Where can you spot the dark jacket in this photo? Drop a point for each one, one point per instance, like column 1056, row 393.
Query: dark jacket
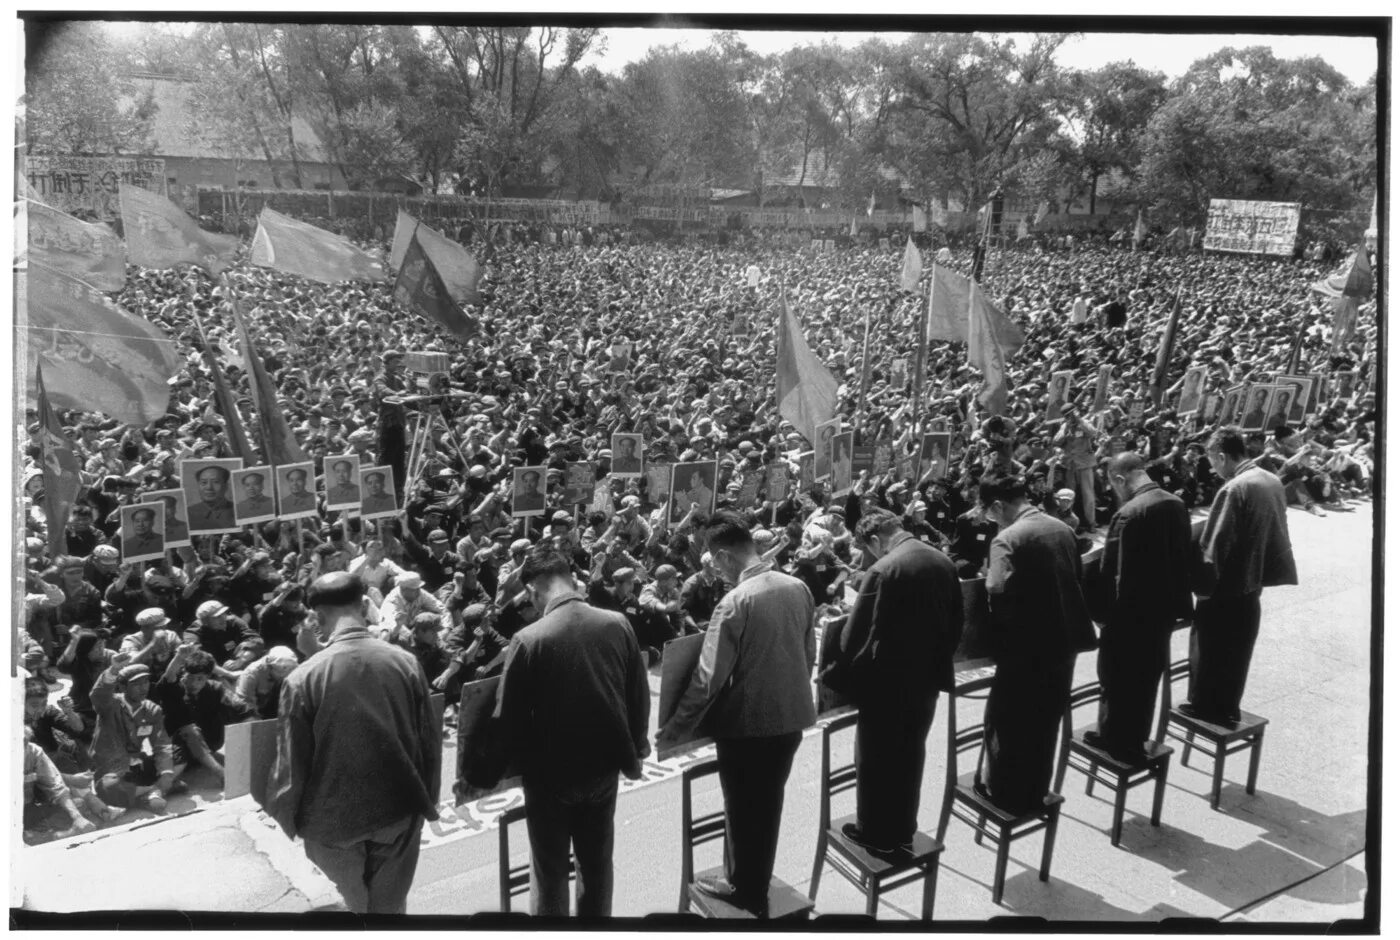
column 1245, row 546
column 904, row 627
column 1033, row 577
column 574, row 700
column 1145, row 570
column 358, row 711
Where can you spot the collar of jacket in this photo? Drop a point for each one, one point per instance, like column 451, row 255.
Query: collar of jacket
column 1244, row 465
column 566, row 598
column 898, row 539
column 1026, row 511
column 757, row 568
column 359, row 631
column 1149, row 485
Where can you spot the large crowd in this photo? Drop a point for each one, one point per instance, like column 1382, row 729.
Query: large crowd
column 583, row 334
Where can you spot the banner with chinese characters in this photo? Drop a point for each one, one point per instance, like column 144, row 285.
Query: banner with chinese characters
column 1243, row 225
column 88, row 187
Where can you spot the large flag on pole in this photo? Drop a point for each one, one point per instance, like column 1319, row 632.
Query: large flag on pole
column 160, row 235
column 984, row 349
column 293, row 247
column 91, row 253
column 458, row 268
column 949, row 312
column 279, row 445
column 420, row 287
column 223, row 400
column 96, row 356
column 61, row 467
column 1356, row 281
column 913, row 267
column 1164, row 353
column 806, row 390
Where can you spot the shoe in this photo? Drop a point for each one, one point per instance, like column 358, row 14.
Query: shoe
column 723, row 890
column 178, row 787
column 155, row 803
column 1313, row 508
column 1215, row 718
column 1094, row 739
column 852, row 832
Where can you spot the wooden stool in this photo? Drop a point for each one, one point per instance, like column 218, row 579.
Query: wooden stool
column 1247, row 734
column 784, row 901
column 873, row 874
column 988, row 820
column 515, row 881
column 1101, row 767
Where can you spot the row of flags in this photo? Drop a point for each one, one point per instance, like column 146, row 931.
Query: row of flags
column 93, row 355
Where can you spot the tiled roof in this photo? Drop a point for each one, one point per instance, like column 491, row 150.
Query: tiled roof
column 175, row 138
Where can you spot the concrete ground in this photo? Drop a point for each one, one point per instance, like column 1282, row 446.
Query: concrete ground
column 1289, row 853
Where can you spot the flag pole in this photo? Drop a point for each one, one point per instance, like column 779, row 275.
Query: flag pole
column 864, row 366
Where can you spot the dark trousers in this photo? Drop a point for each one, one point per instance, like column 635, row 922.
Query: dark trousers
column 392, row 447
column 753, row 773
column 373, row 873
column 891, row 734
column 1132, row 656
column 1024, row 710
column 1222, row 644
column 583, row 819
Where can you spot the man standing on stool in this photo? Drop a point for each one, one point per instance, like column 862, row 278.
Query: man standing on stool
column 573, row 704
column 1039, row 623
column 359, row 754
column 1245, row 548
column 1142, row 589
column 752, row 687
column 892, row 658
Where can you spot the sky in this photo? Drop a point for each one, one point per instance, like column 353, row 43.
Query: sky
column 1172, row 54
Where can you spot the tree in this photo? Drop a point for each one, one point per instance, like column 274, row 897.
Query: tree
column 1107, row 110
column 78, row 101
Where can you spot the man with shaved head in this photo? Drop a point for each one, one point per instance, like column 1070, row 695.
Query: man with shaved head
column 1142, row 589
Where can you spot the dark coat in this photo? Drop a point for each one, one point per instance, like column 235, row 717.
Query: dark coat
column 1145, row 571
column 1245, row 546
column 905, row 625
column 1033, row 585
column 574, row 700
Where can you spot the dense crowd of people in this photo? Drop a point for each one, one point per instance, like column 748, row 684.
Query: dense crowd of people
column 138, row 668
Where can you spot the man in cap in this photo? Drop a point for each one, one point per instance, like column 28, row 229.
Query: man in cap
column 296, row 498
column 217, row 632
column 342, row 491
column 661, row 601
column 132, row 761
column 390, row 393
column 437, row 562
column 359, row 755
column 103, row 565
column 213, row 511
column 197, row 710
column 701, row 592
column 1078, row 440
column 254, row 505
column 153, row 644
column 260, row 682
column 407, row 600
column 376, row 500
column 574, row 704
column 360, row 441
column 892, row 657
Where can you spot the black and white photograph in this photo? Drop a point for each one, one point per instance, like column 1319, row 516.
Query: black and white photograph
column 342, row 482
column 459, row 452
column 1192, row 387
column 177, row 528
column 208, row 488
column 842, row 463
column 379, row 499
column 252, row 500
column 143, row 532
column 825, row 449
column 527, row 491
column 693, row 485
column 626, row 456
column 296, row 496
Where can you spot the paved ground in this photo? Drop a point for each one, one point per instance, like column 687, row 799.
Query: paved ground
column 1291, row 852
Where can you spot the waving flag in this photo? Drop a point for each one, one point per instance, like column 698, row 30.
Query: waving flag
column 223, row 398
column 91, row 253
column 279, row 445
column 1356, row 281
column 984, row 349
column 1164, row 353
column 160, row 235
column 913, row 267
column 284, row 244
column 96, row 356
column 420, row 287
column 950, row 304
column 457, row 267
column 61, row 467
column 806, row 390
column 404, row 225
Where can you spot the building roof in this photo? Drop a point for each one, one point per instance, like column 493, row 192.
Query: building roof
column 175, row 137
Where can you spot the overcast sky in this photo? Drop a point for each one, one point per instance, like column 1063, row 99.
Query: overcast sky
column 1172, row 54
